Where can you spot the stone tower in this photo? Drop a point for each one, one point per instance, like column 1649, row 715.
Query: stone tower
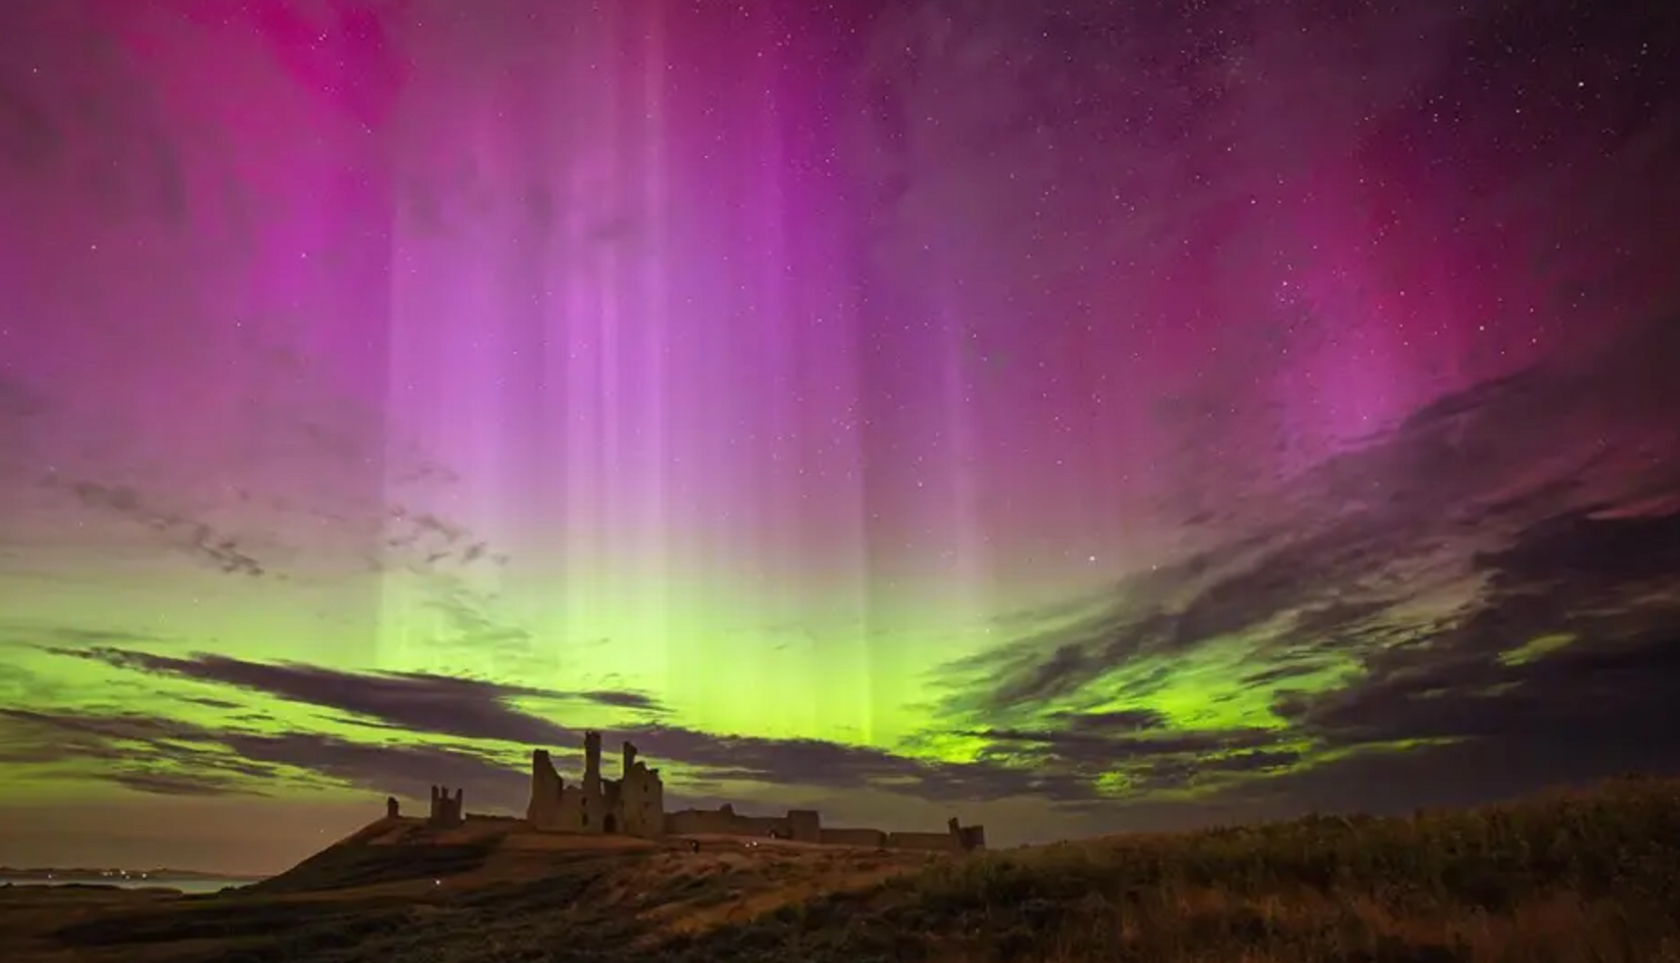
column 593, row 801
column 447, row 811
column 592, row 764
column 546, row 787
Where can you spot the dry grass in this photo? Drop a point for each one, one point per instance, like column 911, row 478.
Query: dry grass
column 692, row 894
column 1566, row 879
column 1588, row 877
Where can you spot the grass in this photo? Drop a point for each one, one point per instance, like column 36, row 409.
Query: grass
column 1566, row 878
column 1563, row 879
column 351, row 867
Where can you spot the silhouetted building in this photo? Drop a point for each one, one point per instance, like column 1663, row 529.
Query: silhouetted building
column 633, row 804
column 446, row 809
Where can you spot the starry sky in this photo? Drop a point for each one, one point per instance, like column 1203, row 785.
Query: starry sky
column 1078, row 417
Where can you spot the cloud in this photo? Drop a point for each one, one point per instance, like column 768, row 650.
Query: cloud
column 1455, row 590
column 144, row 753
column 1459, row 588
column 43, row 634
column 38, row 739
column 417, row 702
column 1103, row 750
column 815, row 763
column 1603, row 590
column 166, row 756
column 177, row 785
column 110, row 728
column 473, row 709
column 401, row 770
column 169, row 757
column 195, row 537
column 1462, row 591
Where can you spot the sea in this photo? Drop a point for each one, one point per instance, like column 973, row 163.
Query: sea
column 195, row 884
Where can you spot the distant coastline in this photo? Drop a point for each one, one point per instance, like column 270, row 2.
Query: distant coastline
column 49, row 874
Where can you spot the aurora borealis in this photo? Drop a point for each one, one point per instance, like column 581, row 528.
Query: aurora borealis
column 1106, row 416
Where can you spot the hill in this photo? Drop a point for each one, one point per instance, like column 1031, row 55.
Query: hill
column 1588, row 876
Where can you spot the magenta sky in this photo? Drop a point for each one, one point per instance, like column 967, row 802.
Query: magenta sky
column 848, row 385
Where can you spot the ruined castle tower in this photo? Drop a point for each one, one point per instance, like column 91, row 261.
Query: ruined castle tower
column 446, row 812
column 639, row 804
column 592, row 763
column 593, row 801
column 546, row 787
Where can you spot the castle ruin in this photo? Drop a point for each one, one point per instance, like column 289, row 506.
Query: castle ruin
column 631, row 805
column 634, row 805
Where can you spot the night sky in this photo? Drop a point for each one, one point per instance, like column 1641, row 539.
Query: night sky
column 1077, row 417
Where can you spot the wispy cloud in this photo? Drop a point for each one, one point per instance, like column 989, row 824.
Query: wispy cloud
column 192, row 536
column 418, row 702
column 439, row 707
column 1323, row 614
column 1363, row 627
column 170, row 757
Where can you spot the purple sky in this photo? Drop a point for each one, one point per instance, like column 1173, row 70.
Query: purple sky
column 1073, row 409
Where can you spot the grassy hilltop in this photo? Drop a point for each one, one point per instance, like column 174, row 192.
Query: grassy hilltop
column 1592, row 876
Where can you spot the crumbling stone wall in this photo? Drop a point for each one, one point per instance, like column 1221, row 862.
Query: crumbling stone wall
column 543, row 810
column 957, row 838
column 935, row 842
column 873, row 838
column 639, row 804
column 805, row 825
column 725, row 821
column 632, row 805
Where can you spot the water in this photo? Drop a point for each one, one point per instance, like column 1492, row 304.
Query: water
column 193, row 885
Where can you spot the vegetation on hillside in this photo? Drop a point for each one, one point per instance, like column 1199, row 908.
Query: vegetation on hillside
column 1566, row 878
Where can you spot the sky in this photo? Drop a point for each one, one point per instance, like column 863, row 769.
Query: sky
column 1078, row 418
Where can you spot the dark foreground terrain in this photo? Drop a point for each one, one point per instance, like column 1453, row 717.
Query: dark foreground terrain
column 1566, row 878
